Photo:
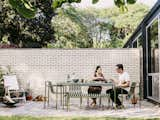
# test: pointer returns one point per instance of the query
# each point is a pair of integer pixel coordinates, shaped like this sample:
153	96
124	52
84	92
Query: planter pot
134	100
29	97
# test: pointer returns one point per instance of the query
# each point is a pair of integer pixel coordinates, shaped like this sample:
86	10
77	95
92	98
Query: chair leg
64	102
80	102
87	101
140	102
24	97
68	103
109	100
48	99
45	94
115	98
122	96
100	101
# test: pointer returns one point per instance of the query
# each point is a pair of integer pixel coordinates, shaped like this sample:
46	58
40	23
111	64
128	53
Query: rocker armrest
6	88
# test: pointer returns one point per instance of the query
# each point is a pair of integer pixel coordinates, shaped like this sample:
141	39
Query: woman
98	76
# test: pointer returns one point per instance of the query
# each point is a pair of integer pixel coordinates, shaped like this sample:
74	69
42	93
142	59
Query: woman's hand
111	79
98	79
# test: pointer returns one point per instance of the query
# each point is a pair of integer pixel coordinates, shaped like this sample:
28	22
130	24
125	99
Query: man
122	82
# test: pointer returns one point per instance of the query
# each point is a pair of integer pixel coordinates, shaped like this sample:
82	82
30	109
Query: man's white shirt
124	77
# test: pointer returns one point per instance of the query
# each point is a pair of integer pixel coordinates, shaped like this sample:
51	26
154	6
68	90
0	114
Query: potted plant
134	100
1	84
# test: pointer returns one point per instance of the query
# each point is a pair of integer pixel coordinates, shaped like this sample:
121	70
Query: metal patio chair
51	88
131	92
76	91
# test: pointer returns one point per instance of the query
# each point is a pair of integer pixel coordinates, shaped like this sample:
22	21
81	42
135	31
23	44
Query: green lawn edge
70	118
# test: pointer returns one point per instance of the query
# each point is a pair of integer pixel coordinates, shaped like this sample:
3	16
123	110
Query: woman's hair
96	70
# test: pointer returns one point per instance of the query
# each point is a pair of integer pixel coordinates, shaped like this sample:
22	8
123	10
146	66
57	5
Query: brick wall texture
34	66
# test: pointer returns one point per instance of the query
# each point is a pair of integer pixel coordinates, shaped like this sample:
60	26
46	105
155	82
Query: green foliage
90	27
123	24
70	32
94	1
24	7
73	28
23	32
122	4
70	118
59	3
131	1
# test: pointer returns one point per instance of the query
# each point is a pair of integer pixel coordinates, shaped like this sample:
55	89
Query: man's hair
120	66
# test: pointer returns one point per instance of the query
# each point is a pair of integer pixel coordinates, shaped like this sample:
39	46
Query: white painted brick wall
37	65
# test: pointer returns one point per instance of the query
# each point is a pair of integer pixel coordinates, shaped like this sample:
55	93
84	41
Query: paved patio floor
147	110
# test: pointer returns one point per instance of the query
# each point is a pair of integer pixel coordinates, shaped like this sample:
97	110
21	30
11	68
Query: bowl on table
75	80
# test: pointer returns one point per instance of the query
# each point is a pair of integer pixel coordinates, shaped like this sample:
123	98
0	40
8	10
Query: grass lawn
71	118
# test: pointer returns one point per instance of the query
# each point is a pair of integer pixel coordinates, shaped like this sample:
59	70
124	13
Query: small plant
9	71
5	70
1	74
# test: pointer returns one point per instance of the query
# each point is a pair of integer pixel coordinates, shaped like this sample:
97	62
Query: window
134	44
140	41
137	41
153	52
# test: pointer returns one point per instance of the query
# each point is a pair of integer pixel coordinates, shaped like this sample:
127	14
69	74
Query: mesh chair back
132	89
75	89
51	86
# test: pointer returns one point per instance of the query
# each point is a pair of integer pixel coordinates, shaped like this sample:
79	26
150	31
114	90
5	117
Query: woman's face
99	70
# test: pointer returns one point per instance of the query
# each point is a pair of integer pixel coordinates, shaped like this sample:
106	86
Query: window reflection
153	54
140	41
135	44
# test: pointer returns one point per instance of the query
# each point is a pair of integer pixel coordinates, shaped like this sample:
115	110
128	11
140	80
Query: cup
82	80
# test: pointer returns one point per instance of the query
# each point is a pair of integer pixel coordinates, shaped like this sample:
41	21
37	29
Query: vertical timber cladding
34	66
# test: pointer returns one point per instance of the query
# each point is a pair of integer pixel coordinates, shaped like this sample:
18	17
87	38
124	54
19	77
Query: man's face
118	70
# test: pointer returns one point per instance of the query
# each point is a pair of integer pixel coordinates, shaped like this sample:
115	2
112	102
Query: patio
147	110
81	40
34	67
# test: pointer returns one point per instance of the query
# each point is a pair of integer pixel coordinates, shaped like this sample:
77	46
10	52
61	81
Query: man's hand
124	85
113	80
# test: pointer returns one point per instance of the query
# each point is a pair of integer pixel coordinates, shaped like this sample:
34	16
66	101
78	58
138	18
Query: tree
122	4
24	7
28	10
70	31
24	32
119	25
29	25
101	28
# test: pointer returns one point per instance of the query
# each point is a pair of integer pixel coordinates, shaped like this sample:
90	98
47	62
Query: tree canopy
67	27
99	28
22	32
70	30
27	8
